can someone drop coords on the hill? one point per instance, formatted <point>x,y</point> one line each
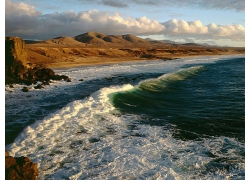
<point>61,41</point>
<point>99,39</point>
<point>96,39</point>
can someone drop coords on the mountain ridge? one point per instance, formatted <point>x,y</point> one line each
<point>97,39</point>
<point>100,40</point>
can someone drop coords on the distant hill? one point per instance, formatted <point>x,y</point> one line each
<point>100,40</point>
<point>176,43</point>
<point>91,38</point>
<point>58,41</point>
<point>169,42</point>
<point>96,39</point>
<point>190,44</point>
<point>31,41</point>
<point>103,39</point>
<point>64,40</point>
<point>206,44</point>
<point>162,41</point>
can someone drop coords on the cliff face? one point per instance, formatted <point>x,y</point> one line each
<point>15,58</point>
<point>16,70</point>
<point>15,50</point>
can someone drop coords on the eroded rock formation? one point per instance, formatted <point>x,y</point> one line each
<point>15,50</point>
<point>20,168</point>
<point>16,69</point>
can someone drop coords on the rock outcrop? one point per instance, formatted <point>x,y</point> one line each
<point>20,168</point>
<point>15,50</point>
<point>16,69</point>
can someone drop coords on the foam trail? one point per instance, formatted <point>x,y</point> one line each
<point>89,139</point>
<point>80,122</point>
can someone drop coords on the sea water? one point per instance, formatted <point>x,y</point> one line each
<point>179,119</point>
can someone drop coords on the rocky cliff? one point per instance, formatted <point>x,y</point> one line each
<point>16,69</point>
<point>15,59</point>
<point>15,50</point>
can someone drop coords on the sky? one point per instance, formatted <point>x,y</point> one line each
<point>201,21</point>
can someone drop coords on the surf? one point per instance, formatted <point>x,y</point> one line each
<point>156,125</point>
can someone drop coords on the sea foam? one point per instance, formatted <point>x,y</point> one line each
<point>90,139</point>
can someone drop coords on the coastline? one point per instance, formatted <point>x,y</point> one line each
<point>67,56</point>
<point>95,61</point>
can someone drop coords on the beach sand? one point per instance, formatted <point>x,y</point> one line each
<point>68,57</point>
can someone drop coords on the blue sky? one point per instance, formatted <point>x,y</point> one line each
<point>202,21</point>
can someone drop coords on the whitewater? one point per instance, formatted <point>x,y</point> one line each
<point>144,120</point>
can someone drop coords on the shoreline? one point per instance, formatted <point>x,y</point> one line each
<point>63,57</point>
<point>94,61</point>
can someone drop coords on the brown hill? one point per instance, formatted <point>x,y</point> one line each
<point>61,41</point>
<point>91,38</point>
<point>133,39</point>
<point>99,40</point>
<point>191,44</point>
<point>64,40</point>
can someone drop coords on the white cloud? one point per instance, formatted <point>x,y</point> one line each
<point>24,21</point>
<point>20,9</point>
<point>29,24</point>
<point>181,28</point>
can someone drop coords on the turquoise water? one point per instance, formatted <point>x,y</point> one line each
<point>181,119</point>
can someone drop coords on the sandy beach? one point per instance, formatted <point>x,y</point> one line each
<point>67,57</point>
<point>107,61</point>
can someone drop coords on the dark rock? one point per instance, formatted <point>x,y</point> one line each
<point>12,174</point>
<point>6,153</point>
<point>45,83</point>
<point>80,79</point>
<point>9,161</point>
<point>39,86</point>
<point>25,89</point>
<point>11,86</point>
<point>68,80</point>
<point>93,140</point>
<point>44,74</point>
<point>28,82</point>
<point>64,77</point>
<point>20,168</point>
<point>57,77</point>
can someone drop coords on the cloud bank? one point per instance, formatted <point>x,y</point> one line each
<point>114,3</point>
<point>237,5</point>
<point>196,29</point>
<point>24,21</point>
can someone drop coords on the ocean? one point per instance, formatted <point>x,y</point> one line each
<point>178,119</point>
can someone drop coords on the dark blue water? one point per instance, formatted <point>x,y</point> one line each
<point>199,101</point>
<point>27,108</point>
